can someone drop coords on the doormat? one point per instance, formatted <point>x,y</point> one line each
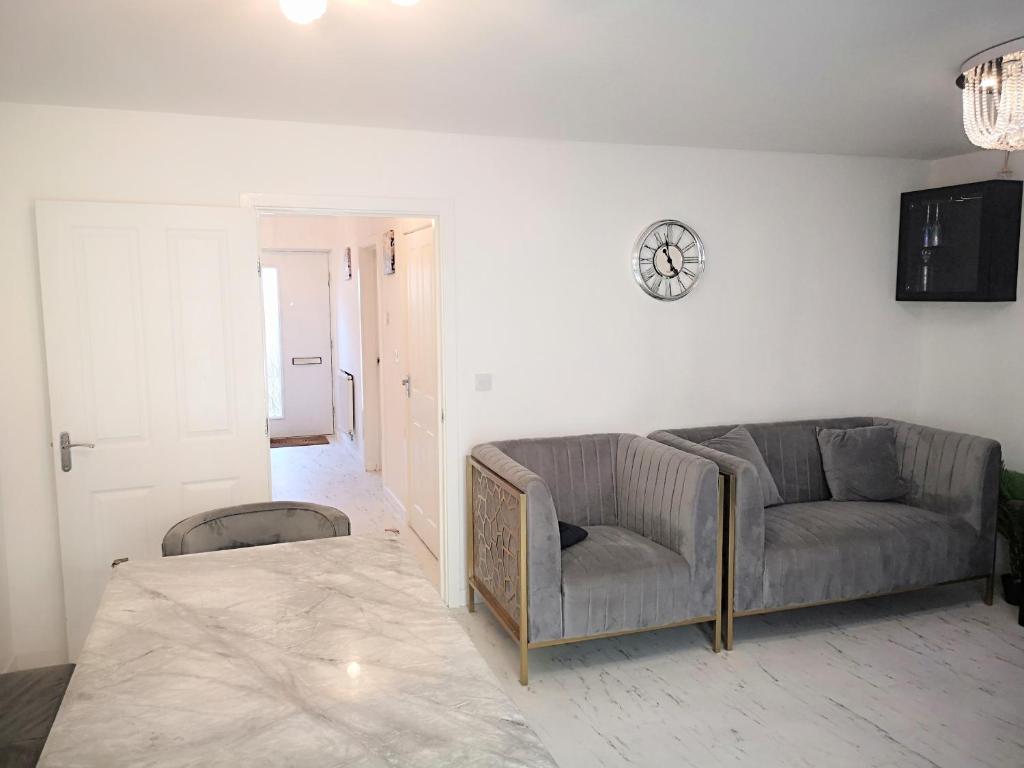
<point>292,442</point>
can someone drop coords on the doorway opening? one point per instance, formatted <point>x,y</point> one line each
<point>351,326</point>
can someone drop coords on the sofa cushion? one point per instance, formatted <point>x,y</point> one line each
<point>860,464</point>
<point>570,535</point>
<point>617,580</point>
<point>829,550</point>
<point>791,451</point>
<point>738,442</point>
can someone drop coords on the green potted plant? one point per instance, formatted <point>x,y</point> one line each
<point>1011,526</point>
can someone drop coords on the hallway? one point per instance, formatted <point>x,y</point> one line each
<point>332,475</point>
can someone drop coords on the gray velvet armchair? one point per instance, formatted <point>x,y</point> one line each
<point>811,550</point>
<point>651,558</point>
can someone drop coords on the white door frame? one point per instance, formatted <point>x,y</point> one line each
<point>452,523</point>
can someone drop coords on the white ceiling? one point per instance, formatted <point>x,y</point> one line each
<point>865,77</point>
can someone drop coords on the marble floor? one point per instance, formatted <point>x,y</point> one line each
<point>933,678</point>
<point>333,475</point>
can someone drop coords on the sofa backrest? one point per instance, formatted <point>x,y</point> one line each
<point>791,451</point>
<point>579,472</point>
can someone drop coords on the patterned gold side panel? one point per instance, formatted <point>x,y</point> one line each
<point>496,545</point>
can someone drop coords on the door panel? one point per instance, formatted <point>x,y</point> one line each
<point>304,298</point>
<point>424,409</point>
<point>198,263</point>
<point>154,355</point>
<point>106,264</point>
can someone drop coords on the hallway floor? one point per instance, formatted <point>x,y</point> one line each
<point>333,475</point>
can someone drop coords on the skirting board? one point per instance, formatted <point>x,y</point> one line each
<point>394,499</point>
<point>32,660</point>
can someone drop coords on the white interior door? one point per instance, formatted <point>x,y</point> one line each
<point>155,357</point>
<point>394,368</point>
<point>306,397</point>
<point>417,251</point>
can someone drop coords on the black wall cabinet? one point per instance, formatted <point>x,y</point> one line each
<point>960,243</point>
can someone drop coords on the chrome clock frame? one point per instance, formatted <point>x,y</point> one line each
<point>696,267</point>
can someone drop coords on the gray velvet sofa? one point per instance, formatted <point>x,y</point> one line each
<point>651,558</point>
<point>811,550</point>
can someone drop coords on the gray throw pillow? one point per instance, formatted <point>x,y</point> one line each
<point>860,464</point>
<point>738,442</point>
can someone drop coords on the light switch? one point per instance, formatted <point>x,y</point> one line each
<point>482,382</point>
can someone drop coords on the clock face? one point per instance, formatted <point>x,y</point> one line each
<point>668,259</point>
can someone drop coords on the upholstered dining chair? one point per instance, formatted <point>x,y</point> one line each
<point>651,557</point>
<point>254,525</point>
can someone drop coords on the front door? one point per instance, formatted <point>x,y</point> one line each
<point>297,306</point>
<point>424,415</point>
<point>155,361</point>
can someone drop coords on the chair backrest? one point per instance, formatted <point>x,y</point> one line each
<point>254,525</point>
<point>579,472</point>
<point>791,451</point>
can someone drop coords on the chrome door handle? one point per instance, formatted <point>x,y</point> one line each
<point>407,383</point>
<point>65,450</point>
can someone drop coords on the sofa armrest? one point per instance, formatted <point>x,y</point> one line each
<point>952,473</point>
<point>671,498</point>
<point>748,587</point>
<point>544,552</point>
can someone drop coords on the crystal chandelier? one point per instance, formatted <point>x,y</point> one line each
<point>993,98</point>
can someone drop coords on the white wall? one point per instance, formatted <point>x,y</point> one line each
<point>972,366</point>
<point>345,308</point>
<point>794,316</point>
<point>366,269</point>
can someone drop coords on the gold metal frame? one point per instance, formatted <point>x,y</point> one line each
<point>519,629</point>
<point>728,480</point>
<point>727,503</point>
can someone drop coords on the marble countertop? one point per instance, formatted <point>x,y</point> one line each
<point>334,652</point>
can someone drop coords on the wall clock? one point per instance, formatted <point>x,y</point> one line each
<point>668,260</point>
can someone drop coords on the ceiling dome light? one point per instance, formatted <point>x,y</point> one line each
<point>303,11</point>
<point>993,99</point>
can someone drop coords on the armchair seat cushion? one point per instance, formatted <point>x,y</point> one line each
<point>831,550</point>
<point>616,580</point>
